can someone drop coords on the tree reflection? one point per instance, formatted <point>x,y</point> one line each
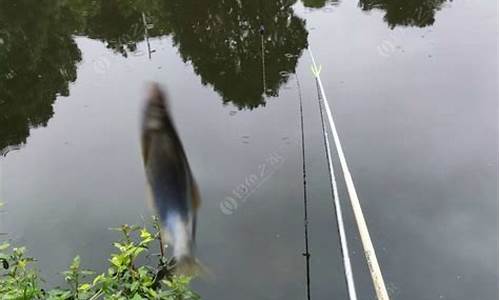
<point>319,3</point>
<point>38,58</point>
<point>222,40</point>
<point>419,13</point>
<point>121,24</point>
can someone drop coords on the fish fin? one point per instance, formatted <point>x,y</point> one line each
<point>190,266</point>
<point>149,197</point>
<point>195,194</point>
<point>195,202</point>
<point>145,147</point>
<point>165,236</point>
<point>193,230</point>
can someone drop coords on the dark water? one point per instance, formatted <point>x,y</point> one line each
<point>413,85</point>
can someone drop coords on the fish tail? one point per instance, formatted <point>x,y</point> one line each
<point>190,266</point>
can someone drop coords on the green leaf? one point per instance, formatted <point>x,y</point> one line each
<point>117,260</point>
<point>145,234</point>
<point>134,286</point>
<point>87,272</point>
<point>98,279</point>
<point>76,263</point>
<point>4,246</point>
<point>136,297</point>
<point>84,287</point>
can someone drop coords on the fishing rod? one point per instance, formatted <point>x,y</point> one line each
<point>306,254</point>
<point>371,257</point>
<point>351,288</point>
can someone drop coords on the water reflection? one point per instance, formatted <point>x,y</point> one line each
<point>222,40</point>
<point>419,13</point>
<point>244,50</point>
<point>121,25</point>
<point>319,3</point>
<point>38,58</point>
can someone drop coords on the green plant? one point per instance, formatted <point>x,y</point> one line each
<point>124,279</point>
<point>19,282</point>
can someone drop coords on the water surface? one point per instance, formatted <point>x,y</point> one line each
<point>413,85</point>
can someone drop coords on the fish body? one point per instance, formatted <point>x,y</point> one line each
<point>173,189</point>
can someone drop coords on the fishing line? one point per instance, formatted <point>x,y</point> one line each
<point>351,288</point>
<point>307,255</point>
<point>371,257</point>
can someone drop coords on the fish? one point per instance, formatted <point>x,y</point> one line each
<point>173,190</point>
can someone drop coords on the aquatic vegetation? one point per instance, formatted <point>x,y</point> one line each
<point>125,278</point>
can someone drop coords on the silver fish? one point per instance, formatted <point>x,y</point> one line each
<point>174,192</point>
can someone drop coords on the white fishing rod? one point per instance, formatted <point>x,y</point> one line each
<point>371,257</point>
<point>351,288</point>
